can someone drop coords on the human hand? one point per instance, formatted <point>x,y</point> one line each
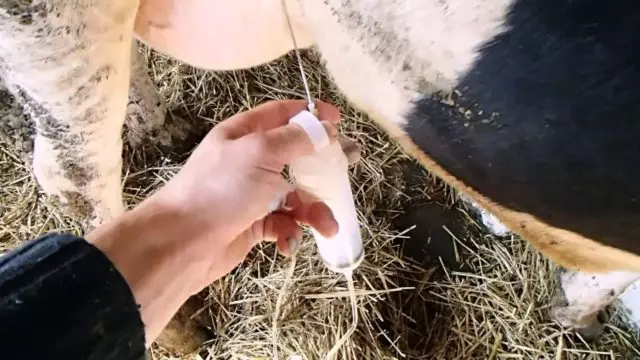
<point>207,218</point>
<point>229,185</point>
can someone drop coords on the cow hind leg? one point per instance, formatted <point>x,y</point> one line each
<point>582,296</point>
<point>148,120</point>
<point>70,64</point>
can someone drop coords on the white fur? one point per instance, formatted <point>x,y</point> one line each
<point>630,303</point>
<point>490,221</point>
<point>438,40</point>
<point>589,293</point>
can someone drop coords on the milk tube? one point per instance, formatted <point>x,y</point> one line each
<point>324,176</point>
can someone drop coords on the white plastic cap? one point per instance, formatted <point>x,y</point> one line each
<point>313,127</point>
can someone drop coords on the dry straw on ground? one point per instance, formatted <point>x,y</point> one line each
<point>496,311</point>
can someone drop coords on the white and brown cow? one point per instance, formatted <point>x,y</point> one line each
<point>529,107</point>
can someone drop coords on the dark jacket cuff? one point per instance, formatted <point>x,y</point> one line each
<point>62,298</point>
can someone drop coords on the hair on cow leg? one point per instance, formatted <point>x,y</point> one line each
<point>582,296</point>
<point>66,167</point>
<point>145,109</point>
<point>148,121</point>
<point>65,62</point>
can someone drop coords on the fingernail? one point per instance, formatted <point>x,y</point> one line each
<point>293,245</point>
<point>286,204</point>
<point>331,129</point>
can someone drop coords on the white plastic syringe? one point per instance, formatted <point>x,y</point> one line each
<point>324,176</point>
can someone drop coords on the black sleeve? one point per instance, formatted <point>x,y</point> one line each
<point>61,298</point>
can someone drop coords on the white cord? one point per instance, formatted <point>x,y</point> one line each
<point>311,105</point>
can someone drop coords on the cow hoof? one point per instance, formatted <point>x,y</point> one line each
<point>574,317</point>
<point>592,332</point>
<point>177,128</point>
<point>184,335</point>
<point>590,328</point>
<point>161,133</point>
<point>350,148</point>
<point>182,343</point>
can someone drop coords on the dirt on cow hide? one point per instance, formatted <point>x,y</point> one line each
<point>15,127</point>
<point>434,283</point>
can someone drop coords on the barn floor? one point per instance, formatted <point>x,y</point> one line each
<point>435,283</point>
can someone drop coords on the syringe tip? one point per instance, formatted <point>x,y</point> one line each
<point>312,108</point>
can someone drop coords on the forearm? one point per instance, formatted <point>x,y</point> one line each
<point>148,246</point>
<point>62,298</point>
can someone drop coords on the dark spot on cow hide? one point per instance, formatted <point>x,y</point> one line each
<point>75,167</point>
<point>77,204</point>
<point>23,10</point>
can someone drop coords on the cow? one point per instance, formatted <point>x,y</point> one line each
<point>528,107</point>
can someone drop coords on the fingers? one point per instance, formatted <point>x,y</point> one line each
<point>279,196</point>
<point>273,114</point>
<point>284,230</point>
<point>288,142</point>
<point>317,214</point>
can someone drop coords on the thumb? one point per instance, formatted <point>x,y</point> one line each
<point>290,141</point>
